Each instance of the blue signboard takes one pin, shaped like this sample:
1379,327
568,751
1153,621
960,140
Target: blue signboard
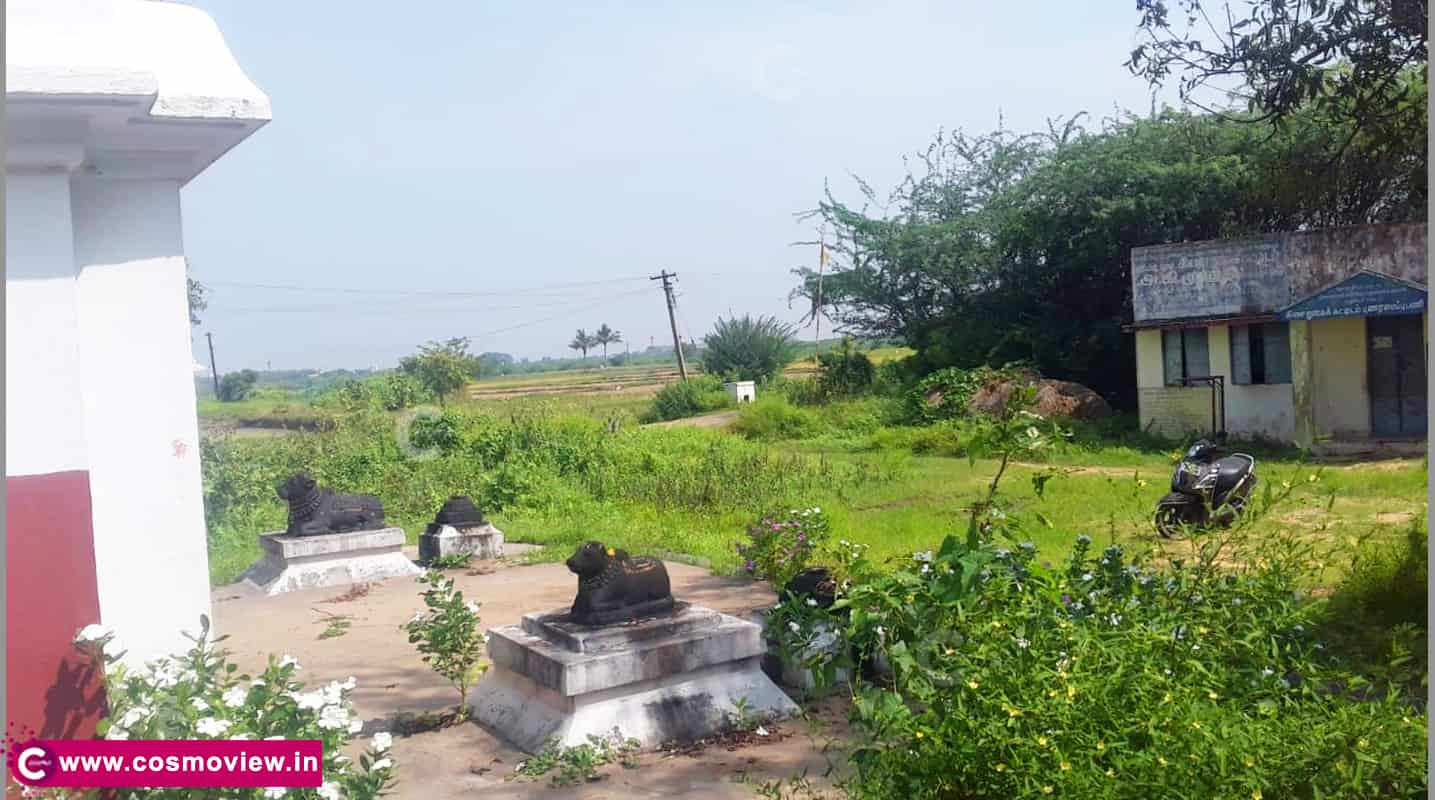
1364,294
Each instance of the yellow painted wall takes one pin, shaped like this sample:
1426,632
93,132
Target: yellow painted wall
1340,396
1168,410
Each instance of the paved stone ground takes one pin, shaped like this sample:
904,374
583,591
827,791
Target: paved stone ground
466,760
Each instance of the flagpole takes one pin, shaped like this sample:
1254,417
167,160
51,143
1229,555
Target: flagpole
817,309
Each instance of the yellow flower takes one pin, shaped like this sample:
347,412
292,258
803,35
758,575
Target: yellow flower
1256,794
1041,741
1141,483
1051,693
1312,478
1363,743
1250,762
612,552
1046,789
920,734
1203,630
1196,724
1070,691
973,684
1213,695
911,598
949,651
1101,746
1013,712
1161,760
1110,773
1001,767
1285,484
1065,766
1167,698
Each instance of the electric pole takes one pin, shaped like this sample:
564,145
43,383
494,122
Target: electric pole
666,277
213,370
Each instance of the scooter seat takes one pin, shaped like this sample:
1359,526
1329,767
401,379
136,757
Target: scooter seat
1229,472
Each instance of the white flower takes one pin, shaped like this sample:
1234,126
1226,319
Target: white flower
472,606
761,731
134,715
1268,672
349,683
199,704
117,733
1086,576
235,696
257,682
925,555
926,568
811,602
329,791
284,662
794,627
1022,643
333,718
310,701
1115,619
275,792
209,726
93,633
816,510
383,763
356,726
382,741
418,615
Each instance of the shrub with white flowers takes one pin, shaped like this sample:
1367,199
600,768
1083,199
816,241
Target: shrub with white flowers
202,695
448,635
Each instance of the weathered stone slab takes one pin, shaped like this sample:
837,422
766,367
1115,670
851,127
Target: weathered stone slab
291,563
482,542
676,676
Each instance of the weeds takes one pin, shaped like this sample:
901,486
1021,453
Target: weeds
573,765
335,625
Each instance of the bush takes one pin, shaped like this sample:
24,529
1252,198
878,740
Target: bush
781,545
698,395
237,386
772,417
201,695
748,349
845,372
945,394
447,634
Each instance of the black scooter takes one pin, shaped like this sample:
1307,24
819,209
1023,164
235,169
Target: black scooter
1207,487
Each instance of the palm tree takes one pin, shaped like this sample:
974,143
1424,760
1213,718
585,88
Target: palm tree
582,341
606,336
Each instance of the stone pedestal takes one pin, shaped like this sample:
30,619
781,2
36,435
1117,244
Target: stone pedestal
306,562
481,542
678,676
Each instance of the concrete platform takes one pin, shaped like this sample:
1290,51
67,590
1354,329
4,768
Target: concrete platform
677,676
483,542
292,563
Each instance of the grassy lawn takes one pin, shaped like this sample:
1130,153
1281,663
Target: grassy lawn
1099,496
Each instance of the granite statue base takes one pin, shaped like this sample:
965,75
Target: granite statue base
674,677
291,563
481,542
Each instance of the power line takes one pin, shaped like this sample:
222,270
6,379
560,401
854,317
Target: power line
561,316
420,292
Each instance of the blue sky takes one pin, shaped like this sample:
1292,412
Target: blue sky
543,158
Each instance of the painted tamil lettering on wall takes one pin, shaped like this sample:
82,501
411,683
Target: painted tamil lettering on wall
1209,279
1365,294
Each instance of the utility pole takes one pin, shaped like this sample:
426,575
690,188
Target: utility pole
666,277
213,370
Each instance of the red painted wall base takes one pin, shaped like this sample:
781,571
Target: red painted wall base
50,593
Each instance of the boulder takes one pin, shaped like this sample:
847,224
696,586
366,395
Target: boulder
1054,398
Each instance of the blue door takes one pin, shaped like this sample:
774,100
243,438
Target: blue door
1396,364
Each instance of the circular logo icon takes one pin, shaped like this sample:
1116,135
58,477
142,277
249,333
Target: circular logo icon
34,763
404,426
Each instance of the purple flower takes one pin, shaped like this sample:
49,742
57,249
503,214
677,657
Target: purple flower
749,565
1066,600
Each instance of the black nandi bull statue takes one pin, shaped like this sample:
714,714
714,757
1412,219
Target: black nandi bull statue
614,588
314,511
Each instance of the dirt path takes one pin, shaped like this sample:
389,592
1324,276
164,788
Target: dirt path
466,760
721,419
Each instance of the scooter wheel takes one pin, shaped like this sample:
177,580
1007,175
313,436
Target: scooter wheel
1168,520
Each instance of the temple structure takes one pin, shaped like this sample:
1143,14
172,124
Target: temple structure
112,107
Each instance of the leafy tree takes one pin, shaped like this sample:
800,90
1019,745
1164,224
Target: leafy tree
443,367
748,349
1351,59
583,341
606,336
197,301
236,386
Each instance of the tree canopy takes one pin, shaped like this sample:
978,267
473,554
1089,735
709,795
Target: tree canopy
443,367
